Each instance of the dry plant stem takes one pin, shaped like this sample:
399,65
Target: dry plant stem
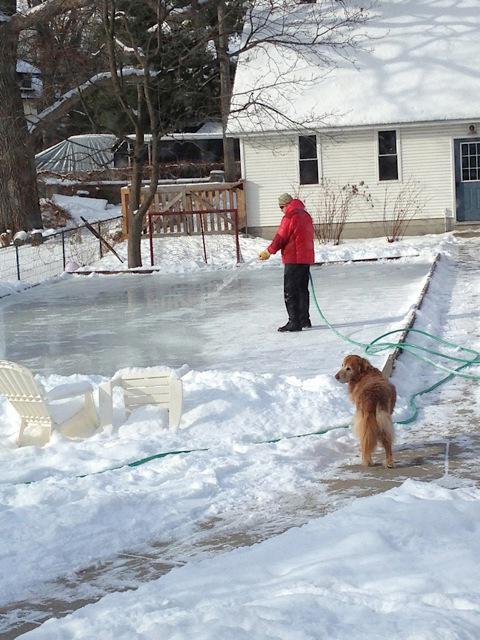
408,203
334,210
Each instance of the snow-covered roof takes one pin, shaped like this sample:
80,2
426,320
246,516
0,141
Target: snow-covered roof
418,62
91,152
208,131
25,67
30,87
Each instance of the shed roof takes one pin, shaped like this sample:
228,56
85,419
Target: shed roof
89,152
419,62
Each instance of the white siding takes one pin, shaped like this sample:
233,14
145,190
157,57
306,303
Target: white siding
270,167
425,154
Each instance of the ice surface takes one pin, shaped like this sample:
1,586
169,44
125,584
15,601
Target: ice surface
220,320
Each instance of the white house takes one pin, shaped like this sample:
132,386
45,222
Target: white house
401,105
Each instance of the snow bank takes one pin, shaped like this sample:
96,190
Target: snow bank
92,209
401,564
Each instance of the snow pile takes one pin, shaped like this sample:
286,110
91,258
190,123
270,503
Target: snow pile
184,254
92,209
401,564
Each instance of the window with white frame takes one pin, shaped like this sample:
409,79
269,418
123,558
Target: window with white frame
387,155
308,159
470,161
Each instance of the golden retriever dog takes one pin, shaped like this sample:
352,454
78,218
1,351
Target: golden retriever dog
374,398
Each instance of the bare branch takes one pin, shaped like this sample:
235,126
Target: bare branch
74,96
46,11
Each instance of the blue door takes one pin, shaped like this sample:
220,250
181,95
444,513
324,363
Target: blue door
467,179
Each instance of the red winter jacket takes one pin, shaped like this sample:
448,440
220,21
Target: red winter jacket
294,235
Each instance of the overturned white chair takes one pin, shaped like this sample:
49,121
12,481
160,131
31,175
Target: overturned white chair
39,414
156,387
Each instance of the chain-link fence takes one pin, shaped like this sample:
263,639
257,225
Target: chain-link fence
33,264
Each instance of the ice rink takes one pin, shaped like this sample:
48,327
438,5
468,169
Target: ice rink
224,320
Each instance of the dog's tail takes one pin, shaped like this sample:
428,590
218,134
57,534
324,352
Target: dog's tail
371,429
384,421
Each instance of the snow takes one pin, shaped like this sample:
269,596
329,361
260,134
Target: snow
401,564
180,255
37,263
25,67
412,63
92,209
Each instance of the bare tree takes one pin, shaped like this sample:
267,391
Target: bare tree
66,51
158,56
19,205
305,32
172,62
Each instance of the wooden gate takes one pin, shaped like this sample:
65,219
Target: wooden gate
171,201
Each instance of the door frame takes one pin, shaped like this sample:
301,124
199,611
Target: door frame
475,138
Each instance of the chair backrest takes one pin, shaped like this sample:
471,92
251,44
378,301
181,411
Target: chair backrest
159,388
19,387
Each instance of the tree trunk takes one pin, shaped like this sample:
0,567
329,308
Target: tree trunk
135,220
225,92
135,240
19,205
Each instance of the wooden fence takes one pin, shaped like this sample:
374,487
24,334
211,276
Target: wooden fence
218,199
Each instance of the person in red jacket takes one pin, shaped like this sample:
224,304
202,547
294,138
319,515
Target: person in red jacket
294,238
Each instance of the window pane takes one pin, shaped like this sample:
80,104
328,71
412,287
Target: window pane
387,142
473,174
308,172
387,168
308,147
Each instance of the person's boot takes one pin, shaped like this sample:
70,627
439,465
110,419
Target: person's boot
290,326
306,324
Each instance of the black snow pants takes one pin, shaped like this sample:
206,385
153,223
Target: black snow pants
295,291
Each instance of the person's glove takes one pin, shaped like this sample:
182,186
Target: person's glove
263,255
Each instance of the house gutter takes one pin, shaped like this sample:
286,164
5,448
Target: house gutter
338,129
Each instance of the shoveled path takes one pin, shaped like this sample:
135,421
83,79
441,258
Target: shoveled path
443,446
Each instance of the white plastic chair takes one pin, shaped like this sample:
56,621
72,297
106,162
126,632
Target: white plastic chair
38,413
156,387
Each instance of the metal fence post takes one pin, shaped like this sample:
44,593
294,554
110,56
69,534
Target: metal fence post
63,251
99,229
150,239
17,256
237,240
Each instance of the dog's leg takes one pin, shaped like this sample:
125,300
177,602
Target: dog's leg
386,436
366,429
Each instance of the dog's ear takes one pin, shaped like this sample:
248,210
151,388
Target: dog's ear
364,365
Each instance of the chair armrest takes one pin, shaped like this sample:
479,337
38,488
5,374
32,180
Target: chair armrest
65,391
105,402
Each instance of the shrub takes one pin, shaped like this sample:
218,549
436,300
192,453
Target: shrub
334,209
398,214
